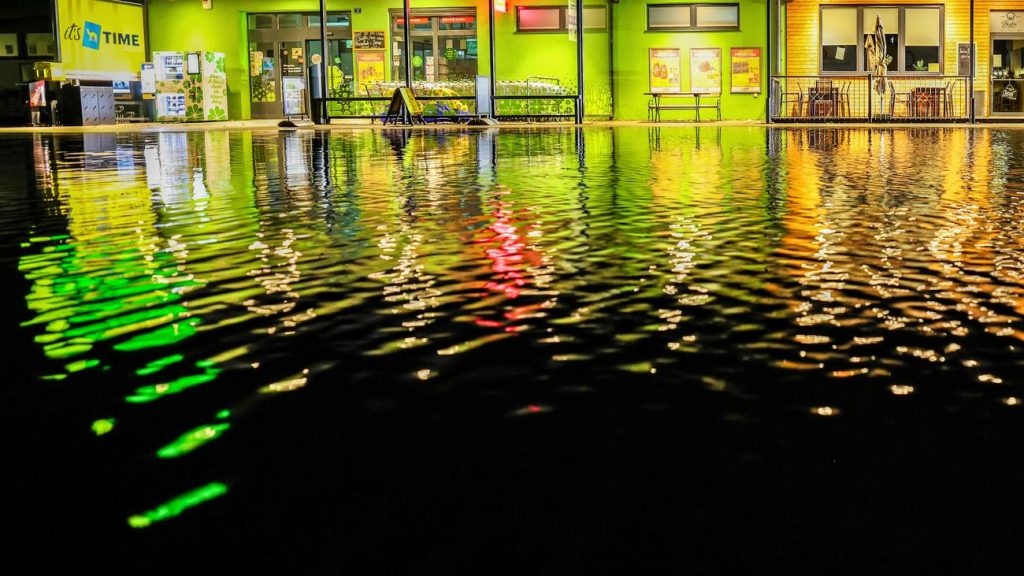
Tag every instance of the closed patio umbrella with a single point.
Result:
(878, 60)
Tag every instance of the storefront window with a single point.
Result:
(923, 40)
(913, 38)
(289, 20)
(690, 17)
(839, 40)
(552, 18)
(723, 16)
(539, 19)
(890, 19)
(668, 17)
(444, 49)
(332, 20)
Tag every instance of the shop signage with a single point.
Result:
(664, 69)
(963, 60)
(450, 53)
(706, 70)
(101, 40)
(368, 39)
(746, 70)
(1001, 21)
(370, 66)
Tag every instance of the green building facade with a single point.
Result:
(268, 45)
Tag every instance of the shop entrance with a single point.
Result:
(1007, 74)
(280, 48)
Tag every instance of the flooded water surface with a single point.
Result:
(606, 350)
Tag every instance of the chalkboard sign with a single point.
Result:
(963, 60)
(368, 40)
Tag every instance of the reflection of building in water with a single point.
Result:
(892, 228)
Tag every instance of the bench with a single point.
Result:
(712, 101)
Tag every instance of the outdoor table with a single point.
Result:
(656, 106)
(928, 102)
(822, 101)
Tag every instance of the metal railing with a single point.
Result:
(536, 98)
(869, 98)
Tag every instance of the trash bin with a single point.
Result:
(316, 94)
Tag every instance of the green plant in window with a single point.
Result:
(919, 66)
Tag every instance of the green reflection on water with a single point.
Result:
(158, 365)
(192, 440)
(176, 506)
(103, 426)
(157, 391)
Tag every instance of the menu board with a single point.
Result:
(706, 70)
(664, 71)
(963, 60)
(368, 39)
(746, 70)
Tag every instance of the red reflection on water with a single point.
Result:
(510, 259)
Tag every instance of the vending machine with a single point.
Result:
(190, 86)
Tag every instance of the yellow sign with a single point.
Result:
(101, 40)
(664, 69)
(706, 70)
(370, 66)
(746, 70)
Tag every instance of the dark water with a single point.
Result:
(622, 350)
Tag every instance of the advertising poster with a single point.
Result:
(294, 88)
(101, 40)
(665, 72)
(370, 66)
(746, 70)
(215, 86)
(706, 70)
(37, 94)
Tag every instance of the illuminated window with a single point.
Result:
(553, 18)
(692, 17)
(913, 38)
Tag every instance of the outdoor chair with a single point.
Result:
(843, 99)
(895, 98)
(784, 102)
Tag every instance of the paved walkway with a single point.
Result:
(365, 125)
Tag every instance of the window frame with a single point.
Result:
(562, 27)
(901, 46)
(693, 27)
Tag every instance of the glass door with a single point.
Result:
(293, 78)
(1007, 75)
(338, 66)
(264, 84)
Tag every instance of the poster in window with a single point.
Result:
(706, 70)
(370, 66)
(746, 70)
(665, 69)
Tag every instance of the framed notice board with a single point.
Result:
(664, 72)
(706, 70)
(745, 64)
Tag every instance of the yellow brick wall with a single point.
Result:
(802, 27)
